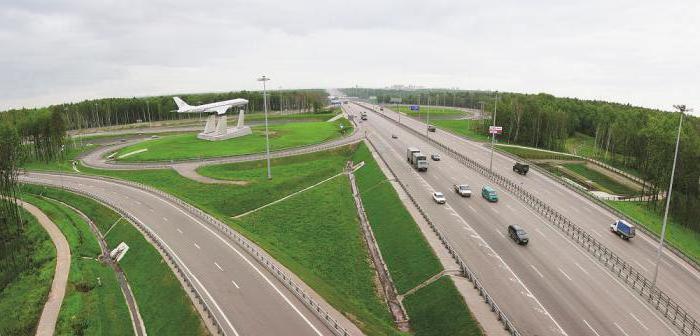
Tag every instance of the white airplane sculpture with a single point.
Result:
(215, 129)
(218, 107)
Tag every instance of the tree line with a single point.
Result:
(119, 111)
(633, 138)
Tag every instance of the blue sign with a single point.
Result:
(415, 108)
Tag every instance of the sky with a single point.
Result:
(644, 53)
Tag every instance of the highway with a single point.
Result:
(549, 287)
(244, 297)
(676, 277)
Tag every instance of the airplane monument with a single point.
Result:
(216, 128)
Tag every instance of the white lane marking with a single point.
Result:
(180, 231)
(566, 275)
(219, 267)
(540, 232)
(536, 270)
(499, 232)
(137, 202)
(165, 219)
(622, 330)
(235, 284)
(640, 265)
(638, 321)
(150, 209)
(581, 268)
(471, 207)
(589, 327)
(197, 246)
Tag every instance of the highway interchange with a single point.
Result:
(550, 287)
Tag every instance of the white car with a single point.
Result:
(439, 197)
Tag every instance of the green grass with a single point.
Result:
(90, 307)
(600, 180)
(322, 244)
(187, 146)
(160, 296)
(438, 309)
(23, 298)
(534, 153)
(62, 164)
(406, 252)
(464, 127)
(434, 111)
(677, 235)
(581, 144)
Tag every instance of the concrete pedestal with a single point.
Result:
(216, 130)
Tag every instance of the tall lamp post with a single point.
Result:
(264, 79)
(682, 109)
(493, 134)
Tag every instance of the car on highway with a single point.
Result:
(435, 157)
(439, 197)
(489, 193)
(518, 234)
(364, 117)
(521, 168)
(431, 128)
(623, 229)
(463, 190)
(394, 136)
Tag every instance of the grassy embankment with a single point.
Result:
(437, 111)
(601, 181)
(437, 309)
(22, 295)
(187, 146)
(677, 235)
(90, 306)
(160, 297)
(315, 234)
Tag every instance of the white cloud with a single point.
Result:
(625, 51)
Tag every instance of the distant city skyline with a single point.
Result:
(644, 54)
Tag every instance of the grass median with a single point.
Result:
(24, 293)
(159, 295)
(463, 127)
(93, 303)
(425, 109)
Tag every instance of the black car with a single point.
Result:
(393, 136)
(518, 234)
(521, 168)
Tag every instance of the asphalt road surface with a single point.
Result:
(245, 298)
(551, 286)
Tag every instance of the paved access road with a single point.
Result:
(676, 277)
(244, 297)
(550, 287)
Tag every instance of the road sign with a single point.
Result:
(495, 129)
(414, 108)
(395, 100)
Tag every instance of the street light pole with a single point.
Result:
(264, 79)
(681, 109)
(493, 134)
(427, 118)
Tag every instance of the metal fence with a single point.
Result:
(466, 271)
(262, 257)
(633, 278)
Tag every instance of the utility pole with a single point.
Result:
(493, 134)
(427, 118)
(682, 109)
(264, 79)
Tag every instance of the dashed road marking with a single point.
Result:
(235, 284)
(638, 321)
(640, 265)
(566, 275)
(581, 268)
(589, 327)
(536, 270)
(180, 231)
(197, 246)
(219, 267)
(540, 232)
(165, 219)
(621, 330)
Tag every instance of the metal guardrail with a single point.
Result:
(262, 257)
(466, 271)
(633, 278)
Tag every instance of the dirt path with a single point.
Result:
(49, 316)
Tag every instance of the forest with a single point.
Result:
(119, 111)
(636, 139)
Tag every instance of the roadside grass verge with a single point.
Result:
(406, 252)
(530, 153)
(677, 235)
(22, 298)
(438, 309)
(187, 146)
(90, 306)
(600, 180)
(159, 294)
(463, 127)
(62, 164)
(317, 235)
(434, 110)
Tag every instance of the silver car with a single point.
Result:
(439, 197)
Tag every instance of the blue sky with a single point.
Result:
(638, 52)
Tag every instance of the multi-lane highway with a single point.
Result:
(551, 286)
(243, 296)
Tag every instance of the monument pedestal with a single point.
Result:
(216, 130)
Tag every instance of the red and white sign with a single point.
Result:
(495, 129)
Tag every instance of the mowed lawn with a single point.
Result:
(463, 127)
(601, 180)
(187, 146)
(424, 109)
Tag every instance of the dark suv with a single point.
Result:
(518, 234)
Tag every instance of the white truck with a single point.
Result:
(623, 229)
(418, 160)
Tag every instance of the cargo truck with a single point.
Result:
(418, 160)
(623, 229)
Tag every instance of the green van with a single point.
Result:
(489, 194)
